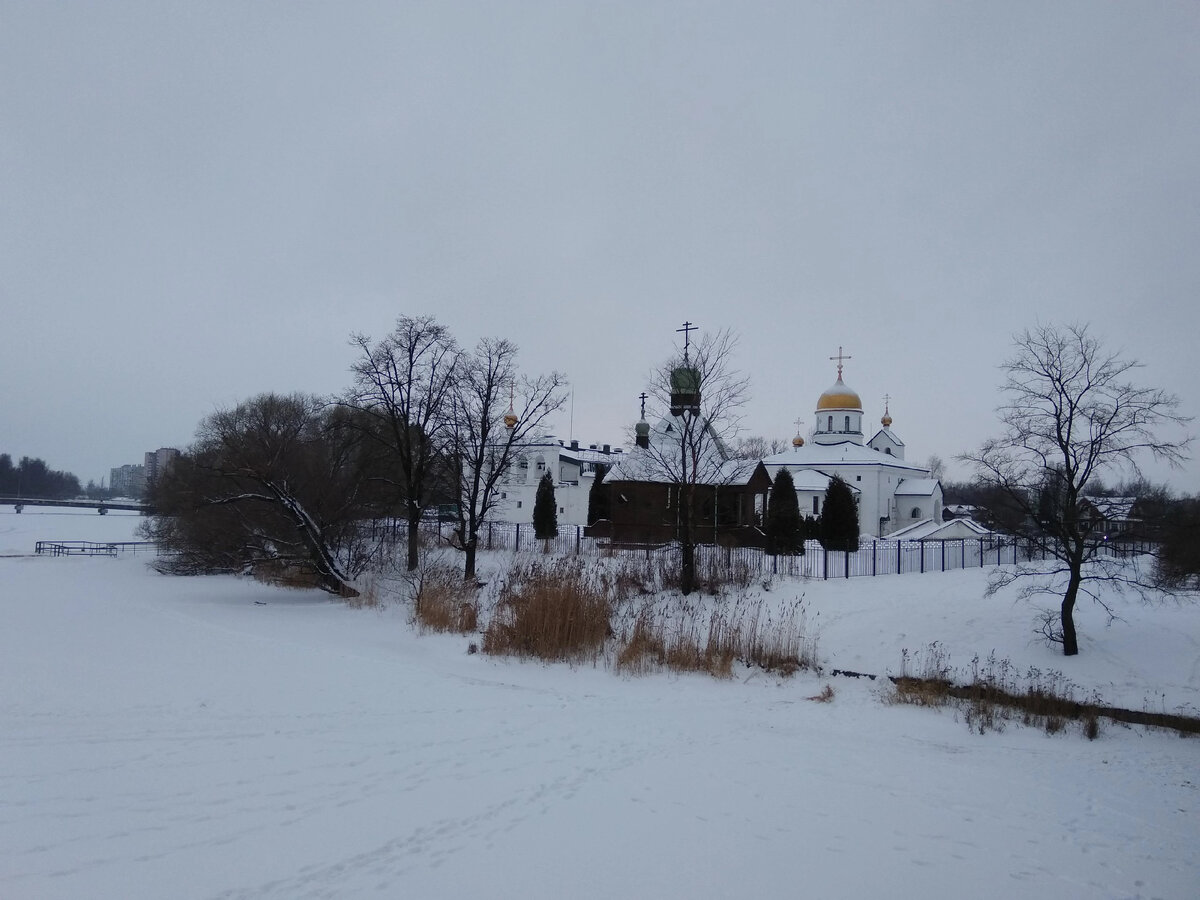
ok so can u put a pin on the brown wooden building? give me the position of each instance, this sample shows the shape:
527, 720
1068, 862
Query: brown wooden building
728, 512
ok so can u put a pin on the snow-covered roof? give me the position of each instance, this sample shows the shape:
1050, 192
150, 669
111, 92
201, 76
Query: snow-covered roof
658, 463
1115, 509
566, 451
889, 434
918, 487
814, 456
810, 480
928, 529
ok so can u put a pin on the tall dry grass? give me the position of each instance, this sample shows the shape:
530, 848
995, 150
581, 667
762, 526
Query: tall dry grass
442, 600
706, 638
553, 611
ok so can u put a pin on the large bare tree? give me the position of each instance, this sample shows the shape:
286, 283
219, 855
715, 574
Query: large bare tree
276, 481
404, 385
495, 412
697, 448
1071, 415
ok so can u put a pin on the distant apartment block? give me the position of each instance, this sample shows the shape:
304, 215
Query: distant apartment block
157, 462
127, 481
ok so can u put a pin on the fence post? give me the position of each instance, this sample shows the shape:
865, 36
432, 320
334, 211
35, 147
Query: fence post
846, 555
518, 541
874, 566
825, 563
921, 544
899, 559
578, 538
963, 547
943, 556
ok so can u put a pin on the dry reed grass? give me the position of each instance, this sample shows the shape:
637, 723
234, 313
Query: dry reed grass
702, 639
555, 611
992, 693
442, 600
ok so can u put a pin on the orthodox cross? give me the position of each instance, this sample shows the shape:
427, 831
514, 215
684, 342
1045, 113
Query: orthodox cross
643, 397
687, 330
886, 399
840, 358
799, 422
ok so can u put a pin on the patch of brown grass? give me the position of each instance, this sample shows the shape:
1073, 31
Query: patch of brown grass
825, 696
285, 574
443, 601
652, 648
710, 641
556, 611
992, 694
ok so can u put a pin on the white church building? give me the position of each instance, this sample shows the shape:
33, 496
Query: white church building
892, 494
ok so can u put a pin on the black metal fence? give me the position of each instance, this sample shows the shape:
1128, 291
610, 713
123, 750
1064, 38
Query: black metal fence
879, 557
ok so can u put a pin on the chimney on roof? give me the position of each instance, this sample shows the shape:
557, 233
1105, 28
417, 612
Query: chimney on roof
607, 448
574, 445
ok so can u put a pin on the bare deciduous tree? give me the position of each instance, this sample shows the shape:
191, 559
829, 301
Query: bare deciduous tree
276, 480
697, 449
404, 386
495, 412
1071, 415
757, 447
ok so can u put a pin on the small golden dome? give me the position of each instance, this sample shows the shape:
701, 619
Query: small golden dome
510, 419
886, 421
839, 397
797, 441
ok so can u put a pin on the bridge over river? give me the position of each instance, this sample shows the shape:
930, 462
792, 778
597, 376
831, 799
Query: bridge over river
101, 506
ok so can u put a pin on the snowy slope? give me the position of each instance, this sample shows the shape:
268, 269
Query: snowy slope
213, 737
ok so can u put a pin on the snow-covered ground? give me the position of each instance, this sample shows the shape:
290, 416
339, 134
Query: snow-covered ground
218, 738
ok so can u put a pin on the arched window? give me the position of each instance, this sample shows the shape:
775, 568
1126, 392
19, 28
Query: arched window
916, 514
888, 451
830, 428
814, 506
847, 423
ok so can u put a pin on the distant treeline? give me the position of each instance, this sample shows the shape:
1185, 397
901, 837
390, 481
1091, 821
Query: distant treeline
33, 478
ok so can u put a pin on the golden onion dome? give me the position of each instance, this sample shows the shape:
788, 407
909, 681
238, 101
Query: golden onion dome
886, 421
840, 397
797, 441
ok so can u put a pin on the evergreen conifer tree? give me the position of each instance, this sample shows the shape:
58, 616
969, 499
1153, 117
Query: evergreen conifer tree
598, 506
784, 527
545, 509
839, 518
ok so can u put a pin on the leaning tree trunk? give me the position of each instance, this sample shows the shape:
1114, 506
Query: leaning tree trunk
323, 557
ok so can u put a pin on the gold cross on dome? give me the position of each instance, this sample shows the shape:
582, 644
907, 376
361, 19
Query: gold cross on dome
840, 358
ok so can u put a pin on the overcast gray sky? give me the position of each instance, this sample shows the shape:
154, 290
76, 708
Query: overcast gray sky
201, 201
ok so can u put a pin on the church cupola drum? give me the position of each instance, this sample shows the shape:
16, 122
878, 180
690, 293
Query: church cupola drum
839, 411
685, 381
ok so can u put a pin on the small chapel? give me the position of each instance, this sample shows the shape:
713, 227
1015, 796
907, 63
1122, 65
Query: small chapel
892, 494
